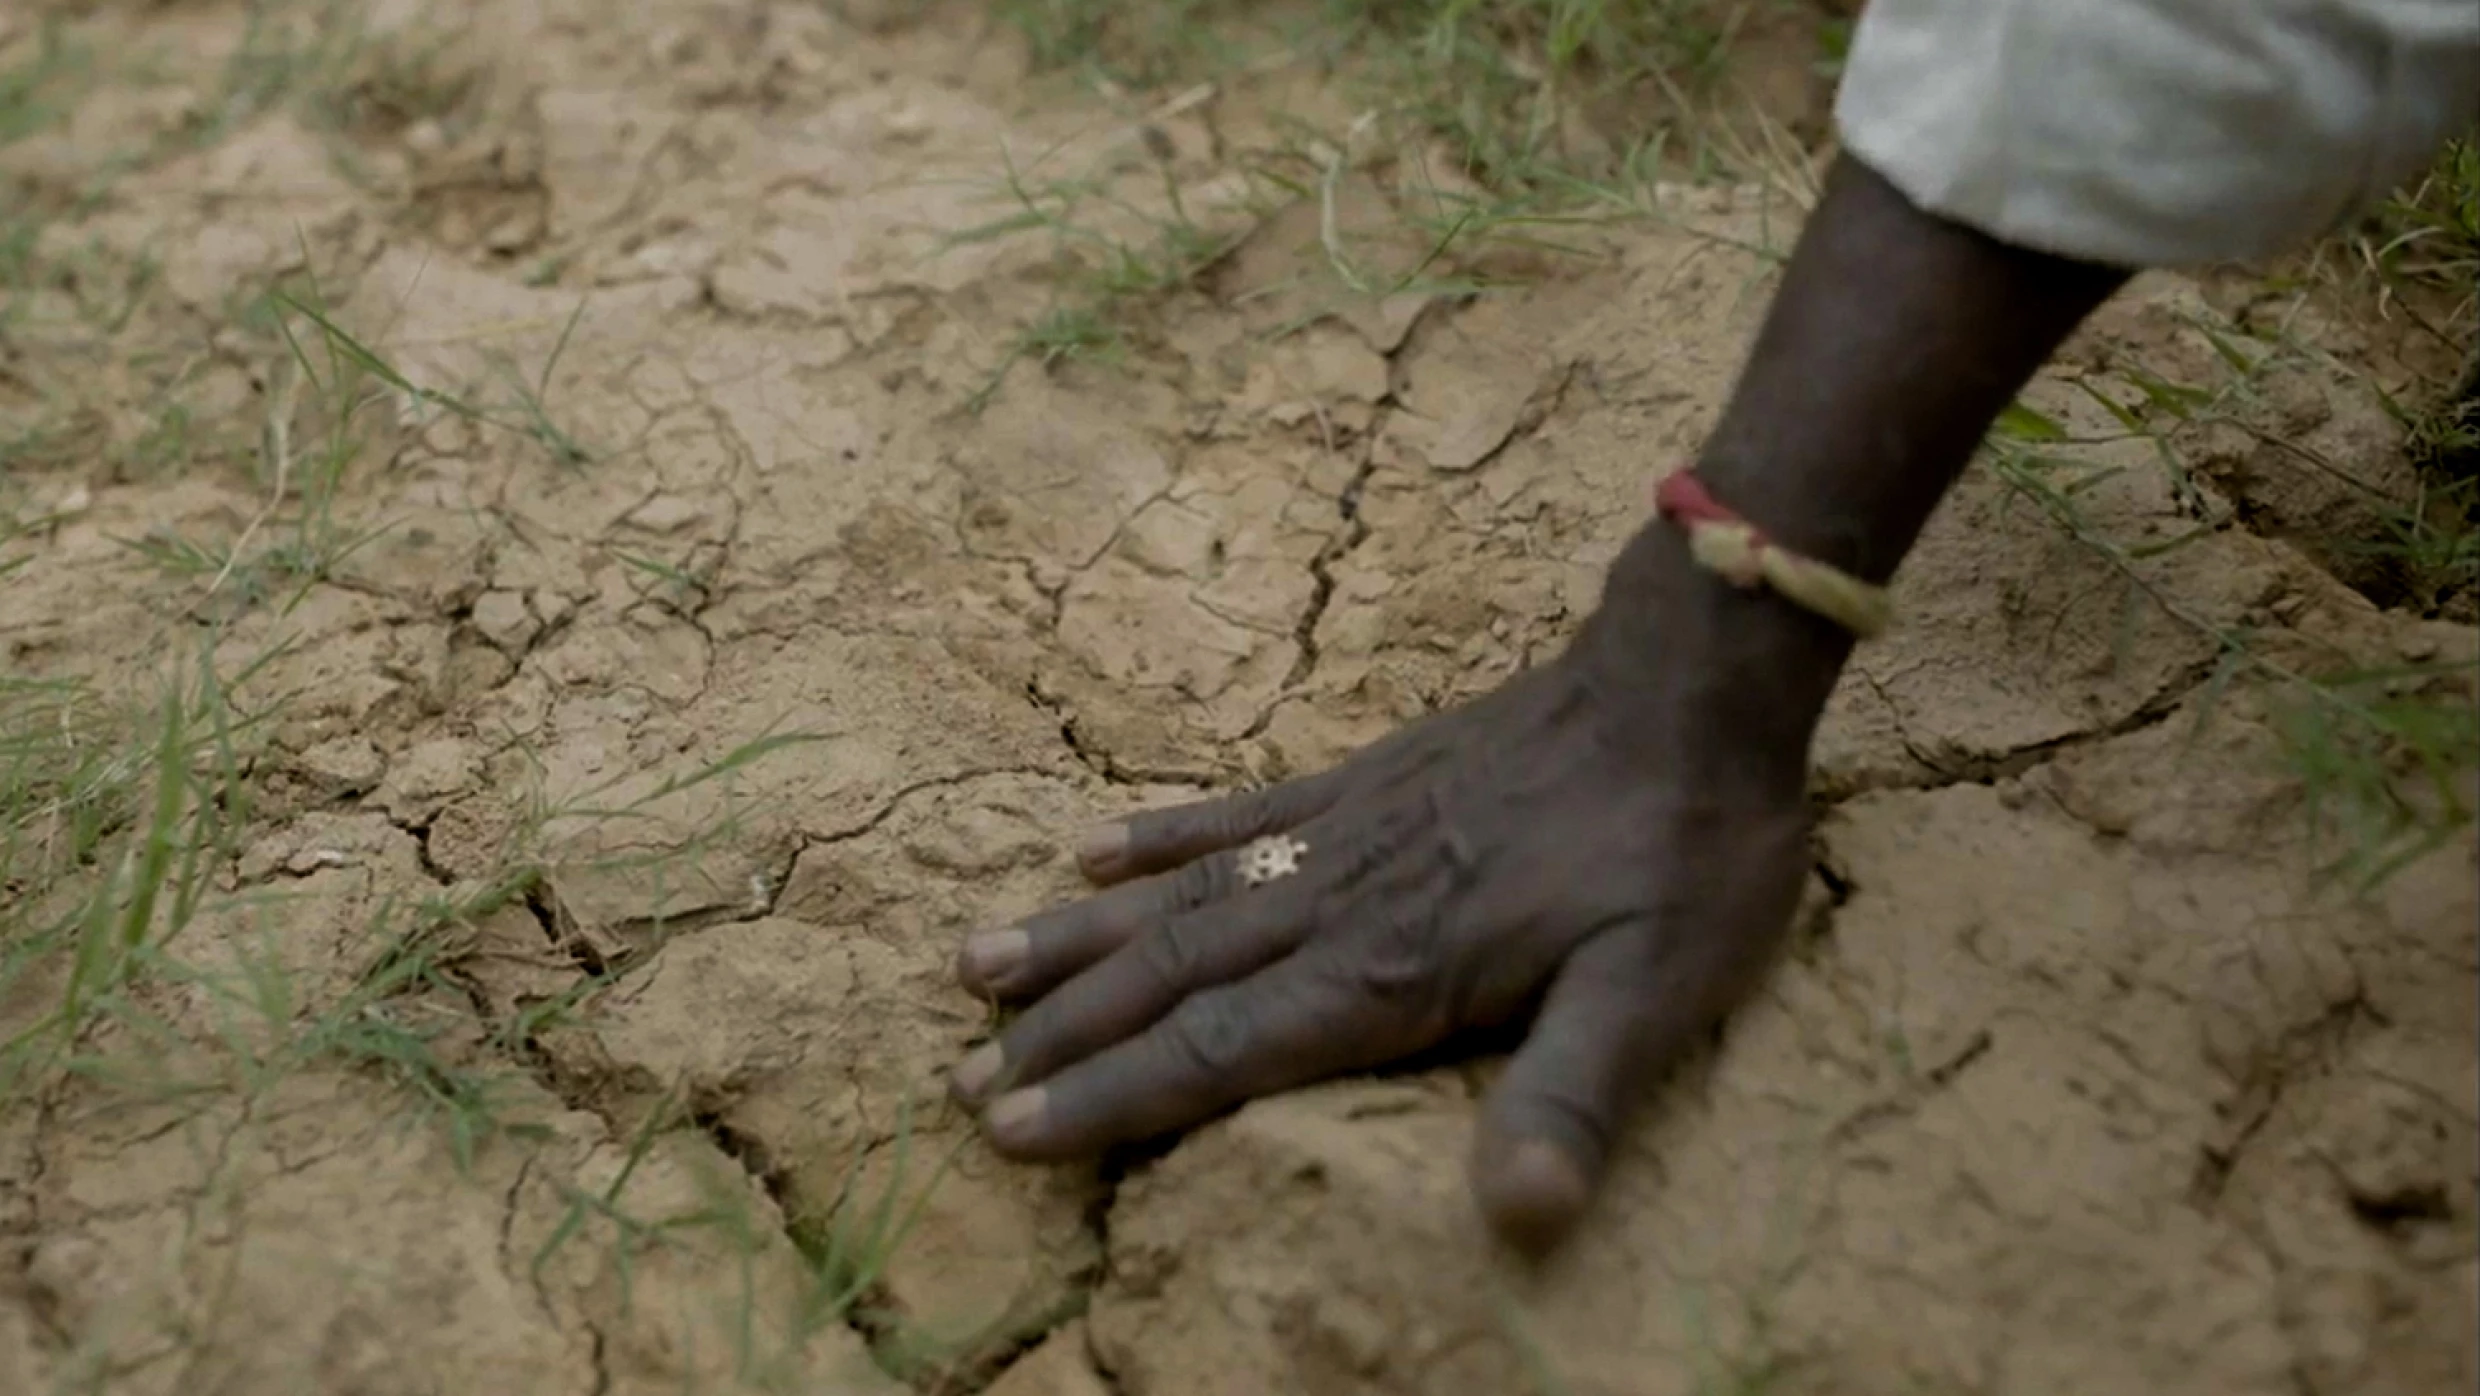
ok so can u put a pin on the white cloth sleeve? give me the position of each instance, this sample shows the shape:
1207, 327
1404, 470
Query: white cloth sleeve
2156, 132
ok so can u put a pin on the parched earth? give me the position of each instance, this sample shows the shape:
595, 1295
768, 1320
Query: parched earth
2076, 1078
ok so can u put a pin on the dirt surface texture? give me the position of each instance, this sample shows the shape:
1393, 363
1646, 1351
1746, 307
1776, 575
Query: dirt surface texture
720, 602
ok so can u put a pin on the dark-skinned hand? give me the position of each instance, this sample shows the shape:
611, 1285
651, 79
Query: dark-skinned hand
1575, 847
1605, 849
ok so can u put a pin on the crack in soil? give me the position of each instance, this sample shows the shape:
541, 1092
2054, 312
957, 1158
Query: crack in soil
1913, 1093
1992, 767
597, 1357
2301, 1049
888, 807
1097, 759
509, 1206
868, 1315
1353, 533
1114, 1171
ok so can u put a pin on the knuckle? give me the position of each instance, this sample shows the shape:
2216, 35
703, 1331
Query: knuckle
1400, 956
1199, 881
1173, 956
1211, 1034
1234, 817
1183, 828
1399, 965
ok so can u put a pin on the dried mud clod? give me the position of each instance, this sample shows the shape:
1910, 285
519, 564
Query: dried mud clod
611, 538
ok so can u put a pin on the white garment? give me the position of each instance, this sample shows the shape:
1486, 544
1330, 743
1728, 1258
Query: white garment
2157, 132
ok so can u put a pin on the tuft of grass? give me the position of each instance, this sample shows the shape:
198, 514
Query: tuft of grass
849, 1245
316, 58
126, 804
2383, 756
1110, 271
843, 1253
287, 48
113, 825
380, 1026
2431, 542
676, 586
1507, 89
585, 1207
2419, 256
1125, 45
115, 829
2421, 247
532, 414
354, 367
1508, 84
1505, 83
1065, 331
1122, 256
38, 89
389, 83
332, 397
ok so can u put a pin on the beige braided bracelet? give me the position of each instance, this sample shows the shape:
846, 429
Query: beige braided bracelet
1739, 552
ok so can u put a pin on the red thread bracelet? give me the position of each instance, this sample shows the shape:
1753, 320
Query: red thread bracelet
1683, 499
1740, 553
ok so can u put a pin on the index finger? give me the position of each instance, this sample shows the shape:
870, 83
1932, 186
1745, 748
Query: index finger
1152, 840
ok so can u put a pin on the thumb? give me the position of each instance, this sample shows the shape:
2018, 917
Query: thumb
1605, 1030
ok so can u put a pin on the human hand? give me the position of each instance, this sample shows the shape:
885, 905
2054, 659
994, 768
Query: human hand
1611, 844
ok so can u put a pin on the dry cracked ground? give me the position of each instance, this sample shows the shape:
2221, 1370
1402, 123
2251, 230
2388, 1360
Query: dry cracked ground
656, 595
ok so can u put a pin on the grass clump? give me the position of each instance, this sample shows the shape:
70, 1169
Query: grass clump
2384, 755
113, 825
1504, 82
1118, 252
38, 88
1133, 45
2384, 752
2421, 246
333, 399
1533, 94
1493, 123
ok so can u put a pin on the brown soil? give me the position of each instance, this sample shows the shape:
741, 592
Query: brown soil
2076, 1080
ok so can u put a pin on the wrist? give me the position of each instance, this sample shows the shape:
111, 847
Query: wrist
1894, 339
1805, 504
1753, 666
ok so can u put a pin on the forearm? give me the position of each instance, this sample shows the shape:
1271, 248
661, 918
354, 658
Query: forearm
1893, 342
1899, 333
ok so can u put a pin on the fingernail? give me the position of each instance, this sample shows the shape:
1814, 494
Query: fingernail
1013, 1115
1543, 1170
1102, 848
994, 955
974, 1074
